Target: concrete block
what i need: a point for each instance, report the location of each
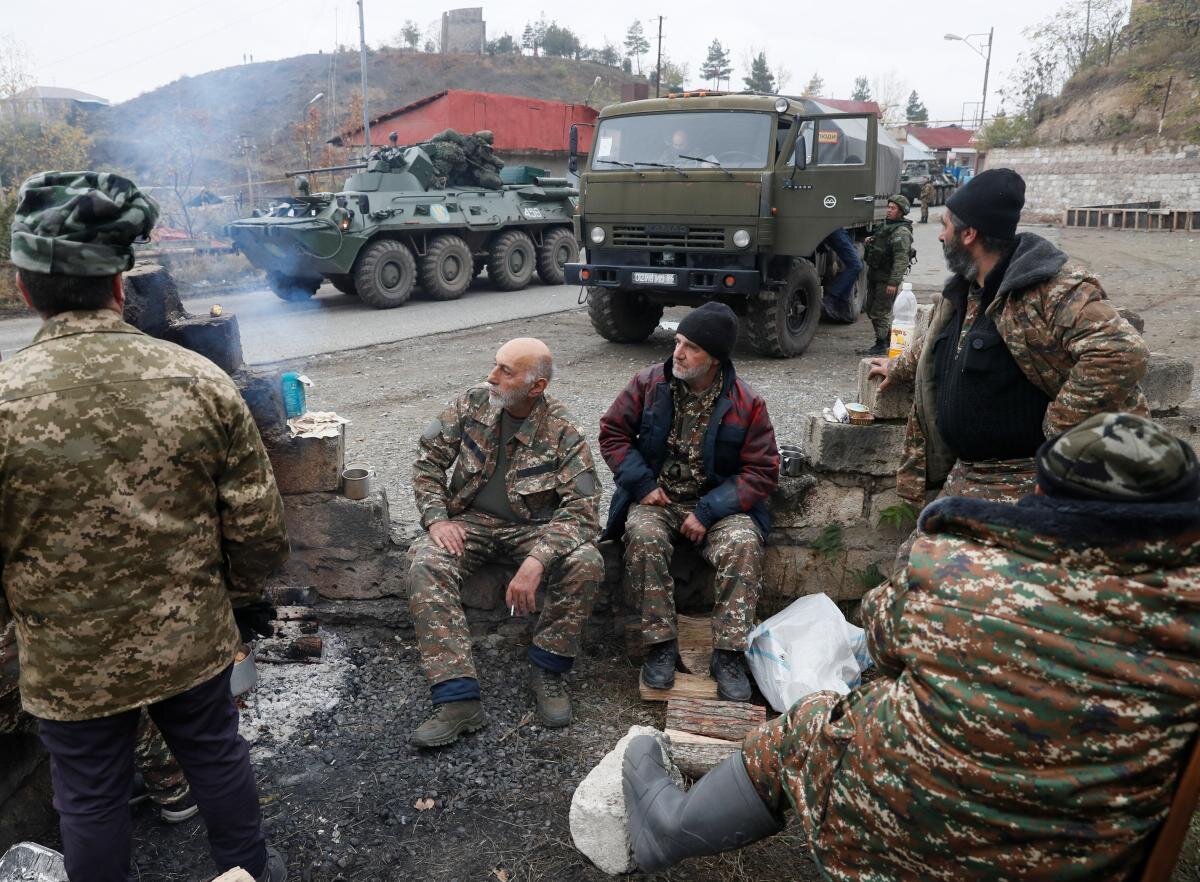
(842, 447)
(307, 465)
(824, 503)
(1134, 318)
(263, 393)
(217, 338)
(341, 528)
(151, 299)
(892, 404)
(337, 578)
(484, 588)
(598, 818)
(1168, 381)
(1184, 423)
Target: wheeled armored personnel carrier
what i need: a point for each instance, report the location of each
(402, 224)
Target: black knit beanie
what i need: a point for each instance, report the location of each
(713, 327)
(991, 202)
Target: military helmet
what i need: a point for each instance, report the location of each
(902, 203)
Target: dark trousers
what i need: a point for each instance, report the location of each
(91, 768)
(837, 295)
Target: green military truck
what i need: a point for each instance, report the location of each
(709, 196)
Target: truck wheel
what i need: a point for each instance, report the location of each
(858, 294)
(511, 261)
(292, 288)
(783, 323)
(559, 248)
(446, 268)
(344, 282)
(385, 273)
(622, 316)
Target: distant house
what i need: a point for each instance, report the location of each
(527, 131)
(952, 145)
(50, 103)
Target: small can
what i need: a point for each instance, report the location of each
(293, 395)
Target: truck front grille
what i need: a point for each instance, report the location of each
(668, 236)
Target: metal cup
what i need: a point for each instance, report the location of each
(791, 460)
(356, 483)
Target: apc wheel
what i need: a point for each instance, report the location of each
(385, 274)
(344, 282)
(511, 261)
(783, 323)
(622, 316)
(559, 247)
(446, 268)
(292, 288)
(858, 294)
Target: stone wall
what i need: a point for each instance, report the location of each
(1067, 176)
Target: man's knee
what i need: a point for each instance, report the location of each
(645, 526)
(434, 572)
(584, 564)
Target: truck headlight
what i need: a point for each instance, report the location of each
(596, 235)
(741, 238)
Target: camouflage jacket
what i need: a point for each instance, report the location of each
(1064, 335)
(928, 193)
(889, 252)
(551, 476)
(137, 506)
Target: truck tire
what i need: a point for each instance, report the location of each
(344, 282)
(622, 316)
(447, 268)
(511, 261)
(858, 294)
(559, 247)
(293, 288)
(782, 323)
(385, 274)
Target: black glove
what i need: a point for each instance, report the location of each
(254, 619)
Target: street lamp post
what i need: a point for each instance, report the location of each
(987, 66)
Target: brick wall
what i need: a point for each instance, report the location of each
(1057, 178)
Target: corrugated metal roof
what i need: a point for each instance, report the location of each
(57, 93)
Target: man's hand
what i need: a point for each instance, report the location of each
(891, 290)
(693, 529)
(522, 590)
(254, 620)
(448, 536)
(879, 368)
(657, 496)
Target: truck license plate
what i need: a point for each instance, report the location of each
(654, 278)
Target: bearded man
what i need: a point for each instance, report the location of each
(522, 490)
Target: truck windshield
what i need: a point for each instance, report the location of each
(692, 139)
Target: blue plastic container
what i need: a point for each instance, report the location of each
(293, 395)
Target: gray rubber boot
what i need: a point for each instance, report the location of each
(666, 825)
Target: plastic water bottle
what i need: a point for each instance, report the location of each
(293, 395)
(904, 318)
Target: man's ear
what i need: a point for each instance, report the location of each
(118, 292)
(538, 388)
(24, 291)
(968, 236)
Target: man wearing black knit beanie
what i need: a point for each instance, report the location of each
(1019, 350)
(693, 454)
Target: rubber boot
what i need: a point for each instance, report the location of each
(447, 722)
(275, 869)
(880, 348)
(722, 810)
(658, 670)
(550, 697)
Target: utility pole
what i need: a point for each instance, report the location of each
(987, 66)
(362, 54)
(658, 64)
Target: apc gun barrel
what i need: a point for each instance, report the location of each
(332, 168)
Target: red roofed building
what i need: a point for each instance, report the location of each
(952, 145)
(527, 130)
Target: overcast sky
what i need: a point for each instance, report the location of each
(135, 46)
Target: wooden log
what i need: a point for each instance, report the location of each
(237, 874)
(728, 720)
(295, 614)
(695, 661)
(307, 646)
(696, 755)
(686, 686)
(288, 595)
(695, 632)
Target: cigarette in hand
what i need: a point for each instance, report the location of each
(512, 610)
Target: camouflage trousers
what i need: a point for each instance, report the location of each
(732, 545)
(436, 577)
(879, 307)
(164, 778)
(924, 212)
(776, 752)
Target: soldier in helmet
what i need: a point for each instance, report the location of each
(139, 521)
(887, 256)
(928, 197)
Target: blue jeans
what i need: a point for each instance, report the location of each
(837, 295)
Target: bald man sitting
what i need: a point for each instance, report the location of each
(522, 489)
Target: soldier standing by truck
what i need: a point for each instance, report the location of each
(928, 197)
(888, 253)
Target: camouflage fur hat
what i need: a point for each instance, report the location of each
(1119, 457)
(902, 203)
(79, 223)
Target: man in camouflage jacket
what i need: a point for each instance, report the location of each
(887, 256)
(1019, 349)
(928, 197)
(1042, 688)
(522, 490)
(693, 452)
(137, 511)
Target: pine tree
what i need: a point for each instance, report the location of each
(636, 44)
(862, 90)
(816, 86)
(760, 79)
(716, 66)
(527, 39)
(915, 112)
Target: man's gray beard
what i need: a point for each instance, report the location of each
(958, 259)
(507, 400)
(689, 373)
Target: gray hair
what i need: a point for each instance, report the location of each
(991, 244)
(541, 369)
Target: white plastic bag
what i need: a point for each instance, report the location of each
(807, 647)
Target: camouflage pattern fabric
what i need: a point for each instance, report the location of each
(888, 252)
(136, 505)
(928, 197)
(1066, 338)
(682, 475)
(79, 223)
(1041, 694)
(436, 576)
(732, 545)
(164, 778)
(879, 307)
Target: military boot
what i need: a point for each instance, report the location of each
(447, 722)
(550, 695)
(658, 670)
(275, 869)
(729, 670)
(880, 348)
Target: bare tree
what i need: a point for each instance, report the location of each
(15, 65)
(888, 91)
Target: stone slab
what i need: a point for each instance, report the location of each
(217, 338)
(892, 404)
(307, 465)
(151, 299)
(263, 393)
(598, 818)
(363, 578)
(341, 527)
(1168, 381)
(1184, 423)
(843, 447)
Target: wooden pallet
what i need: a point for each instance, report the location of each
(1148, 220)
